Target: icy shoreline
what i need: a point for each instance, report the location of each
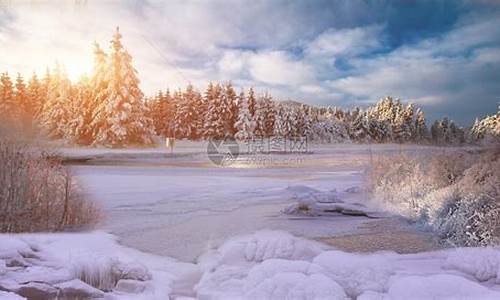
(263, 265)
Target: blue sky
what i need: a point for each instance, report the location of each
(441, 55)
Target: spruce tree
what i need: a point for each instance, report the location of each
(245, 125)
(251, 102)
(229, 110)
(23, 101)
(9, 111)
(121, 119)
(213, 127)
(55, 115)
(36, 96)
(421, 131)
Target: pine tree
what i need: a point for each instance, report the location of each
(269, 110)
(421, 131)
(408, 113)
(36, 96)
(55, 115)
(213, 127)
(251, 102)
(200, 111)
(23, 101)
(279, 121)
(9, 111)
(359, 127)
(121, 119)
(401, 130)
(245, 125)
(81, 111)
(162, 112)
(229, 110)
(186, 115)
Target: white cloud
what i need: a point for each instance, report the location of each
(276, 67)
(349, 42)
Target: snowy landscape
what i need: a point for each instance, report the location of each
(233, 150)
(178, 226)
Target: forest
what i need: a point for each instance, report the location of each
(108, 108)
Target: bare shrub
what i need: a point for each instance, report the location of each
(38, 193)
(457, 193)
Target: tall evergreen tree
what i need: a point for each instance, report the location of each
(121, 119)
(229, 110)
(36, 96)
(55, 115)
(245, 125)
(9, 111)
(23, 101)
(251, 102)
(421, 131)
(213, 127)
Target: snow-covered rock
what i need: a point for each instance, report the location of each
(482, 263)
(130, 286)
(312, 202)
(134, 271)
(10, 296)
(37, 290)
(77, 289)
(263, 265)
(260, 246)
(296, 286)
(357, 273)
(440, 286)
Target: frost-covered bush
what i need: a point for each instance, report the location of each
(457, 193)
(38, 193)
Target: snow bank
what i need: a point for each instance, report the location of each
(83, 265)
(482, 263)
(263, 265)
(357, 273)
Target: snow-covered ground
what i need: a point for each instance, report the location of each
(263, 265)
(179, 205)
(176, 225)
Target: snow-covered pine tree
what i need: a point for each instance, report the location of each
(401, 130)
(421, 131)
(251, 102)
(213, 127)
(408, 120)
(9, 112)
(79, 129)
(307, 124)
(122, 118)
(359, 126)
(229, 110)
(186, 114)
(55, 115)
(200, 111)
(245, 125)
(487, 130)
(23, 101)
(155, 112)
(279, 121)
(269, 111)
(436, 132)
(36, 96)
(377, 128)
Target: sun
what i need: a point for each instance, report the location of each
(76, 69)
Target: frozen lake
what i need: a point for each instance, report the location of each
(179, 205)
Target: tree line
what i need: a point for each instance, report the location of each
(108, 108)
